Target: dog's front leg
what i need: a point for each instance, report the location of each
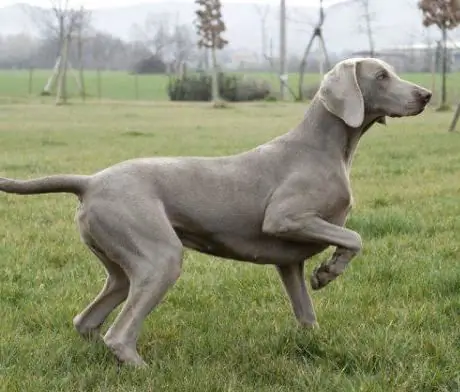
(294, 282)
(309, 227)
(332, 268)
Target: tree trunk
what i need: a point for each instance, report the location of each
(53, 77)
(370, 36)
(206, 59)
(215, 77)
(433, 74)
(453, 124)
(81, 67)
(61, 96)
(444, 68)
(264, 39)
(283, 42)
(303, 64)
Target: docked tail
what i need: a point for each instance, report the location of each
(75, 184)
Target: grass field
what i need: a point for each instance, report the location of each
(390, 323)
(124, 86)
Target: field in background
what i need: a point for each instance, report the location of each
(390, 323)
(124, 86)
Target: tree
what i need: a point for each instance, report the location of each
(445, 14)
(82, 28)
(368, 19)
(167, 42)
(210, 26)
(60, 24)
(150, 65)
(16, 50)
(183, 46)
(263, 12)
(69, 21)
(108, 52)
(155, 34)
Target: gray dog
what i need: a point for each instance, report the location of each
(279, 203)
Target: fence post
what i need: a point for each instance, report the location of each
(136, 86)
(99, 87)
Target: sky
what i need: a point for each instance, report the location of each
(115, 3)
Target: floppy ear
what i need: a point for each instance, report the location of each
(340, 93)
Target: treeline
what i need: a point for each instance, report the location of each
(100, 51)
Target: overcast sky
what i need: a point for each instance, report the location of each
(112, 3)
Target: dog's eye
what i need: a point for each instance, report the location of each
(382, 75)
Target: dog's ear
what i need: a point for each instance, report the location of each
(340, 93)
(382, 120)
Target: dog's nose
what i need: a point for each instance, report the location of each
(424, 96)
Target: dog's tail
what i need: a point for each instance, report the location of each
(75, 184)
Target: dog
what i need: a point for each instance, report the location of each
(279, 203)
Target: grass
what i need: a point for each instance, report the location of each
(390, 323)
(124, 86)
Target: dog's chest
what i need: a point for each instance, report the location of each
(338, 206)
(256, 248)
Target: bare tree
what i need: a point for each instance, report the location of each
(184, 48)
(283, 49)
(69, 21)
(16, 50)
(60, 23)
(82, 30)
(210, 27)
(172, 44)
(263, 12)
(445, 14)
(368, 17)
(154, 32)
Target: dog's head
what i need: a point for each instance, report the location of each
(360, 87)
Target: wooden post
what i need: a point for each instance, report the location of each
(53, 77)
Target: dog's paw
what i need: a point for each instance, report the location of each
(309, 325)
(86, 332)
(125, 354)
(321, 277)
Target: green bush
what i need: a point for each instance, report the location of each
(231, 88)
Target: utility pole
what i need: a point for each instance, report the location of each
(283, 75)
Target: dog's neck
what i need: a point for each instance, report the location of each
(322, 130)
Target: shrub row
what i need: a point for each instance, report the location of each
(231, 88)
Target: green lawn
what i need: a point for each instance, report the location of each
(124, 86)
(390, 323)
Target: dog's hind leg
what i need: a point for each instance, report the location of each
(141, 240)
(149, 284)
(114, 292)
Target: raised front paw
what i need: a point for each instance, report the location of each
(321, 276)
